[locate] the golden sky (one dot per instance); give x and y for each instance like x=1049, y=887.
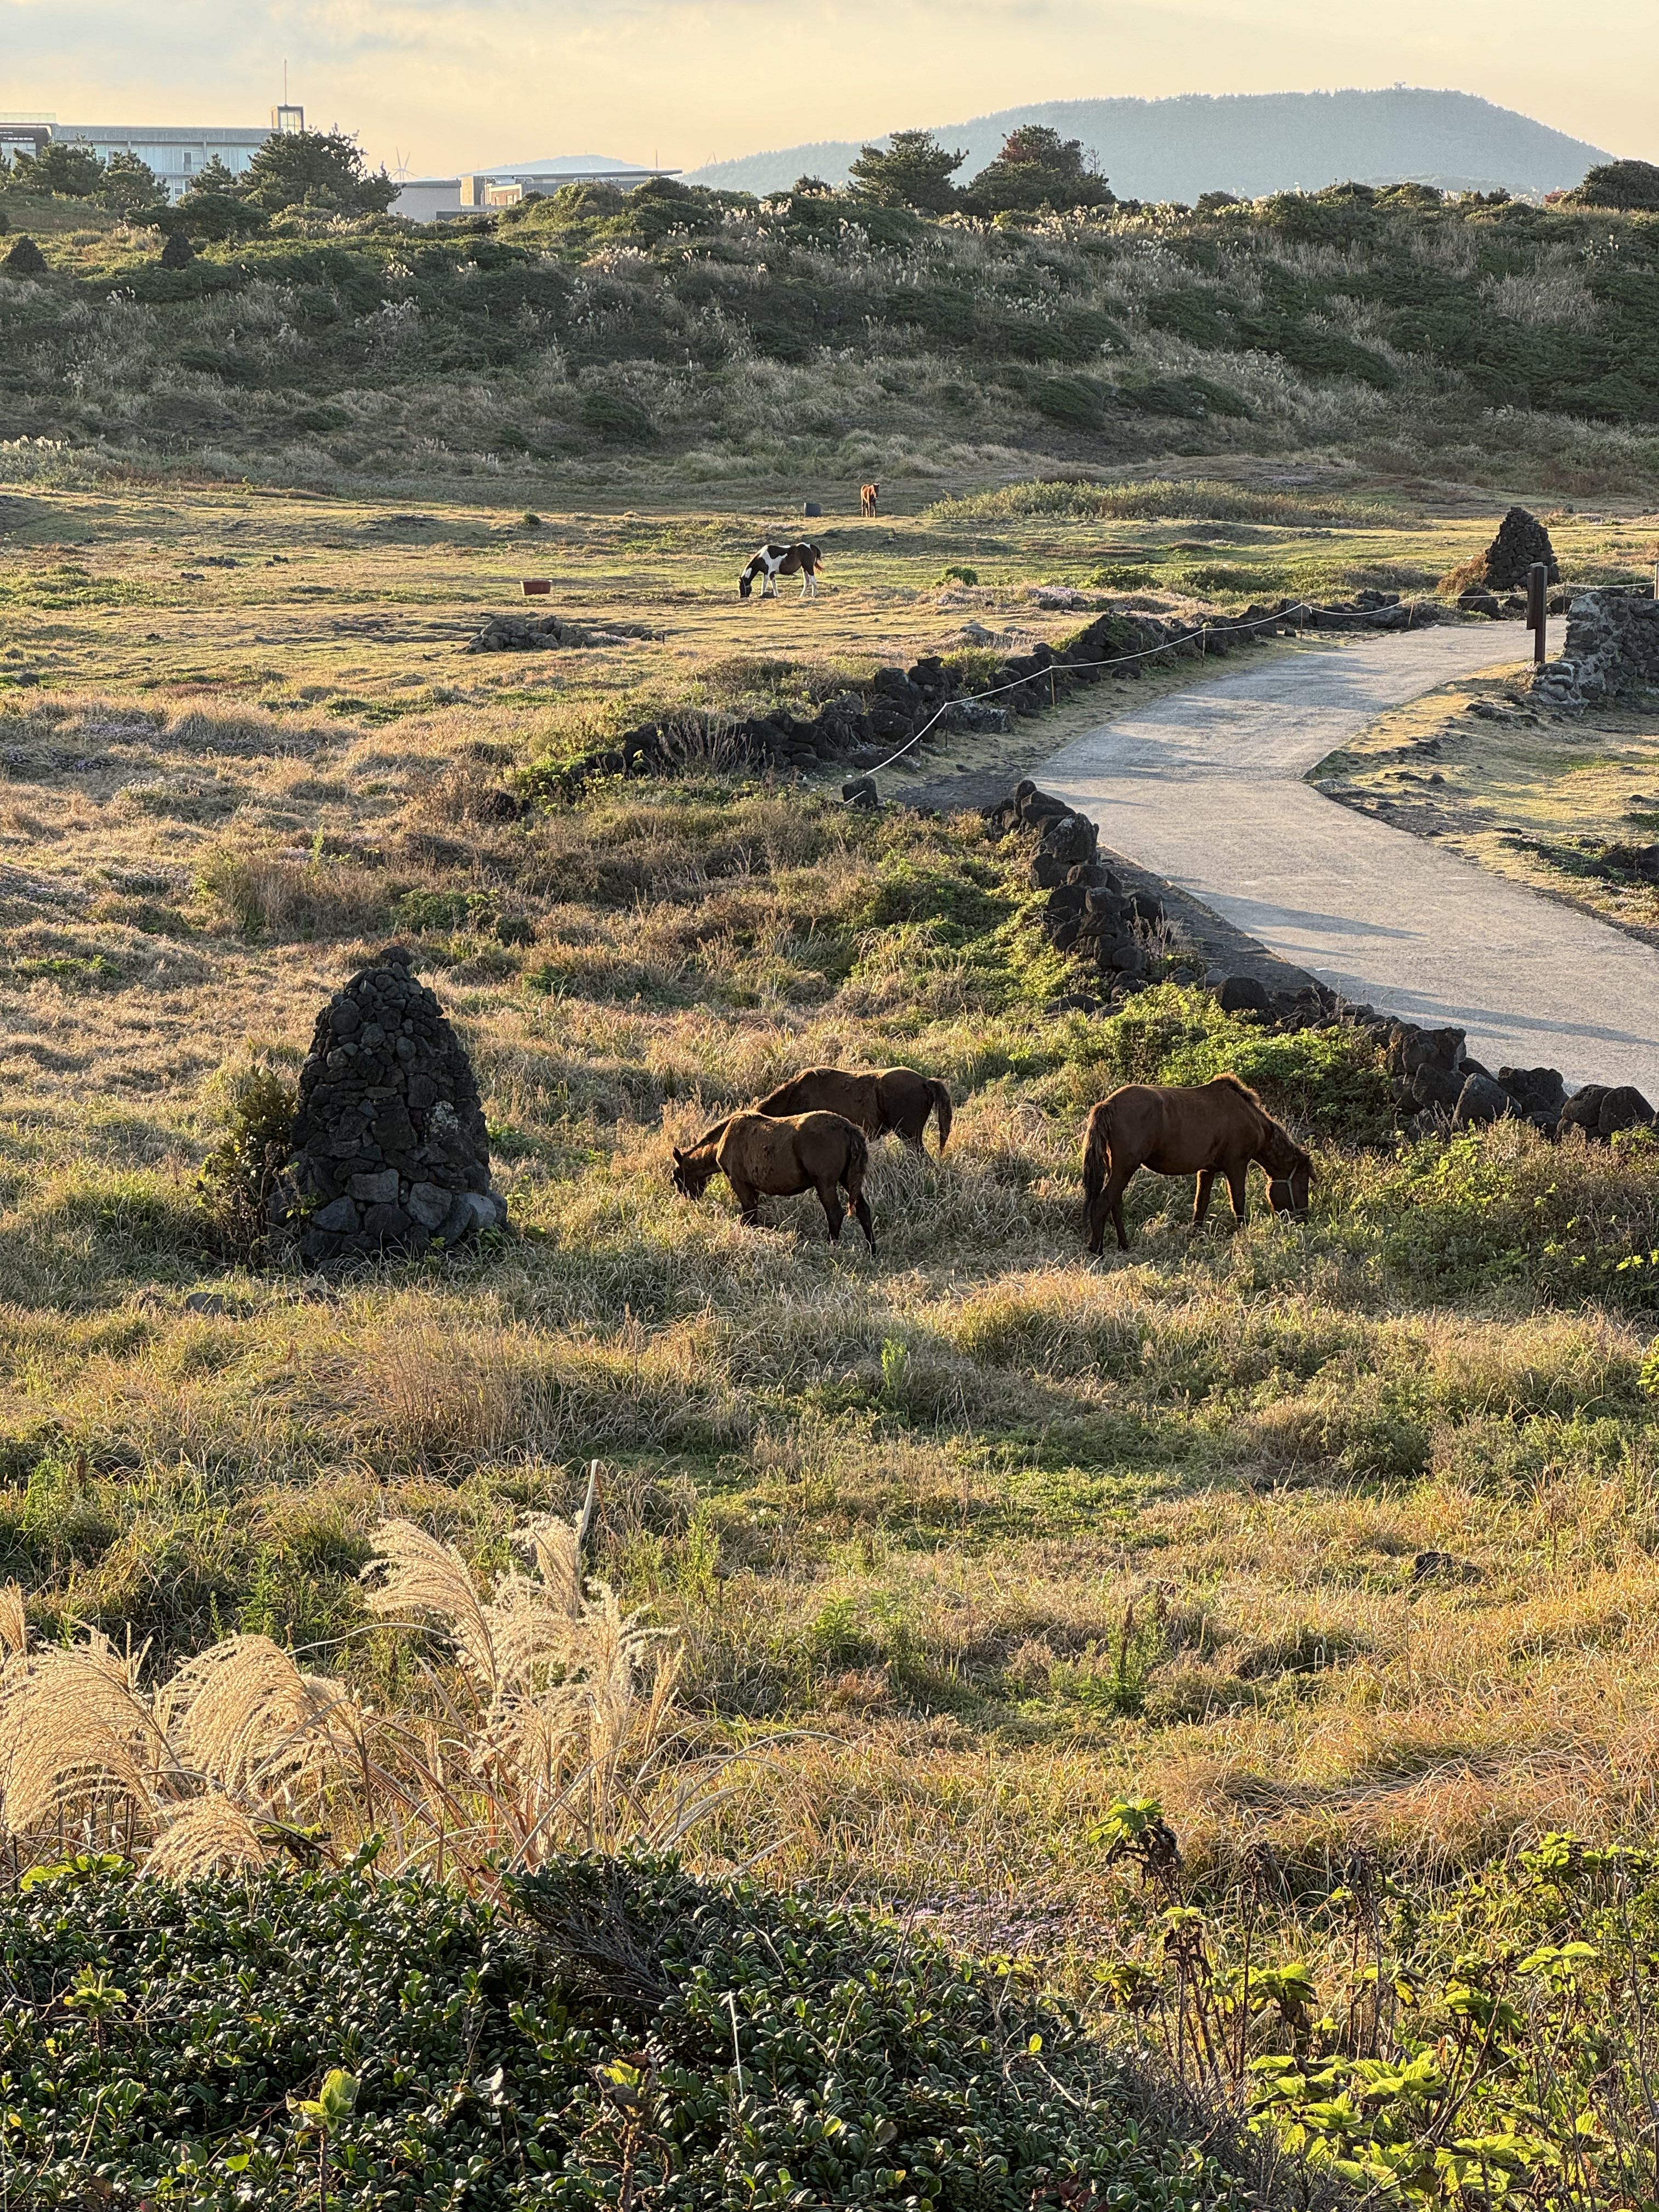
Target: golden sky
x=439, y=85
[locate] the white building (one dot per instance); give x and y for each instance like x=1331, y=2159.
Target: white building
x=429, y=199
x=176, y=153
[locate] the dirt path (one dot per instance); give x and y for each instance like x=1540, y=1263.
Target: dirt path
x=1205, y=787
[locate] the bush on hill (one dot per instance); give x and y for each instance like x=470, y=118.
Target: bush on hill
x=1627, y=185
x=1351, y=314
x=1037, y=169
x=322, y=169
x=912, y=171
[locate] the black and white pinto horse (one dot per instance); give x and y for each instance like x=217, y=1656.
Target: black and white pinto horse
x=774, y=561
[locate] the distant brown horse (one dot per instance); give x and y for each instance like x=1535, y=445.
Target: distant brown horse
x=765, y=1158
x=1201, y=1130
x=868, y=495
x=889, y=1100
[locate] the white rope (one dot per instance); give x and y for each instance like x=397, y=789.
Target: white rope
x=1117, y=661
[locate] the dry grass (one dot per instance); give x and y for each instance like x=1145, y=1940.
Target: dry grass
x=538, y=1740
x=969, y=1540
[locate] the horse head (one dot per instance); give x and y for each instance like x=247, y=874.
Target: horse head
x=691, y=1174
x=746, y=581
x=1289, y=1171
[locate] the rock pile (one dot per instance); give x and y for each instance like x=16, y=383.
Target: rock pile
x=1612, y=651
x=1088, y=912
x=388, y=1153
x=536, y=634
x=1436, y=1082
x=1521, y=539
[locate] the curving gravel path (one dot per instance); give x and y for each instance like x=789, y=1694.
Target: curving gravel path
x=1205, y=787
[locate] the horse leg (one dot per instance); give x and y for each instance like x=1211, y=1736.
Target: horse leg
x=1202, y=1196
x=1238, y=1189
x=834, y=1212
x=854, y=1189
x=1110, y=1201
x=748, y=1200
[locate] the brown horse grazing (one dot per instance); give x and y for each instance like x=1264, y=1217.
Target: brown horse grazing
x=1203, y=1130
x=891, y=1100
x=762, y=1156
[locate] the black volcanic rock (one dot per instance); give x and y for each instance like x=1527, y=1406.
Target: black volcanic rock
x=388, y=1153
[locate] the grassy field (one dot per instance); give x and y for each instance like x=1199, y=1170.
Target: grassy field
x=1336, y=1541
x=966, y=1543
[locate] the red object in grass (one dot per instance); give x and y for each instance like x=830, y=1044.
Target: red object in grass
x=536, y=587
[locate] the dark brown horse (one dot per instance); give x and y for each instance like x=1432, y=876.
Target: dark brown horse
x=895, y=1101
x=763, y=1157
x=1205, y=1130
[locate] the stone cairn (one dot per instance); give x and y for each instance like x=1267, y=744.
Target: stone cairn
x=388, y=1153
x=1521, y=539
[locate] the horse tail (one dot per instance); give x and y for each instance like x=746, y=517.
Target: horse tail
x=857, y=1162
x=1096, y=1149
x=941, y=1098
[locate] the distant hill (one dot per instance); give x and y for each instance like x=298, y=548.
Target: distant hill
x=1248, y=143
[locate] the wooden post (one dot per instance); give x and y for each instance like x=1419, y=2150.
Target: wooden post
x=1537, y=601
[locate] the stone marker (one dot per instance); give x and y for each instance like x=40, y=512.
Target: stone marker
x=388, y=1153
x=1521, y=539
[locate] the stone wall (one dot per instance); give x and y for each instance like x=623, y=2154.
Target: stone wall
x=1612, y=651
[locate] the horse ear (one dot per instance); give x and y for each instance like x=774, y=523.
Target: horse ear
x=678, y=1154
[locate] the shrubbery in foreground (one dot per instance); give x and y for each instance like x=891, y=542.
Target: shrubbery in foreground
x=612, y=2031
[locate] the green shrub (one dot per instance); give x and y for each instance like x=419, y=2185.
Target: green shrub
x=1500, y=1205
x=237, y=1176
x=610, y=2024
x=614, y=414
x=1333, y=1082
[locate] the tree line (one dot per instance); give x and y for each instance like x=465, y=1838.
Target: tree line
x=1037, y=169
x=319, y=170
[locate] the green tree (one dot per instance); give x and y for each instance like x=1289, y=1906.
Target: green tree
x=25, y=259
x=131, y=189
x=914, y=171
x=213, y=215
x=321, y=169
x=1037, y=168
x=1632, y=186
x=215, y=176
x=70, y=171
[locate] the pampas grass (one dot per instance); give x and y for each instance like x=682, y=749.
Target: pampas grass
x=545, y=1727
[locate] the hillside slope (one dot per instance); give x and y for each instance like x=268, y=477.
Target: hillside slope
x=688, y=333
x=1249, y=144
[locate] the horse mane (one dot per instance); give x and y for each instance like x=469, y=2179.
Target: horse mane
x=1235, y=1084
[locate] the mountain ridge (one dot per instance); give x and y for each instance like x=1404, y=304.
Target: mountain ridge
x=1250, y=143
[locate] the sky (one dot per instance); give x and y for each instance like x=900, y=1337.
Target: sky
x=432, y=87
